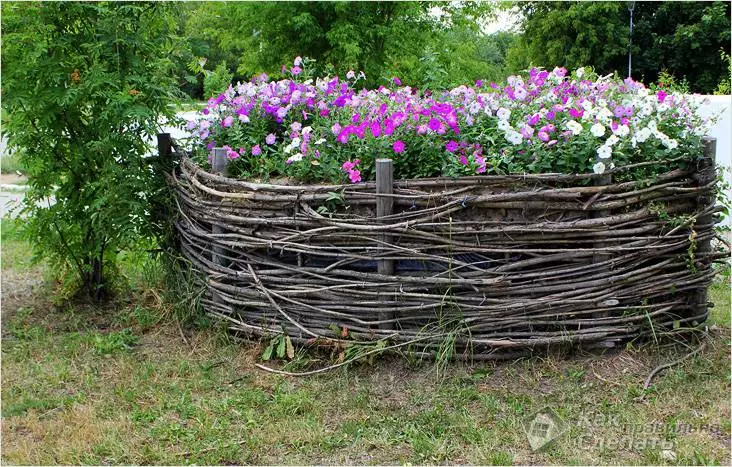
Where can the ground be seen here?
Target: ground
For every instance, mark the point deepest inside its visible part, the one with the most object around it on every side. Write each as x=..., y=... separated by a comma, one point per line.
x=125, y=384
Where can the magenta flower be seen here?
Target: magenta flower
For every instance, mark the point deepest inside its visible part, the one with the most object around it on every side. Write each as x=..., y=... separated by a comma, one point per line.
x=661, y=96
x=375, y=129
x=256, y=150
x=434, y=124
x=575, y=113
x=451, y=146
x=398, y=146
x=543, y=135
x=227, y=122
x=354, y=176
x=270, y=139
x=397, y=81
x=479, y=83
x=296, y=70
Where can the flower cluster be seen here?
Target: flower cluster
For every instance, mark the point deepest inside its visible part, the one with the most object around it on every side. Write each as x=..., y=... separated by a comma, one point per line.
x=548, y=121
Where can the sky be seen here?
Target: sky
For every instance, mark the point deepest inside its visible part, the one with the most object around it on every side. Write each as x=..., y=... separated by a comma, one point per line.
x=506, y=20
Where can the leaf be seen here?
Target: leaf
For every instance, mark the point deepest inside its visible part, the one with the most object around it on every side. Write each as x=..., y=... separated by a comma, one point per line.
x=341, y=357
x=290, y=349
x=281, y=348
x=333, y=196
x=267, y=354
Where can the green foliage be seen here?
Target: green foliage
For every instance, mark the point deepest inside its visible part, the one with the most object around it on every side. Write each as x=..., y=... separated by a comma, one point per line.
x=683, y=38
x=280, y=347
x=383, y=39
x=214, y=82
x=116, y=341
x=724, y=86
x=86, y=85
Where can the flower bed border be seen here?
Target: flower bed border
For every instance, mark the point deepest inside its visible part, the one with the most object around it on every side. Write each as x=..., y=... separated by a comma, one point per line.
x=590, y=264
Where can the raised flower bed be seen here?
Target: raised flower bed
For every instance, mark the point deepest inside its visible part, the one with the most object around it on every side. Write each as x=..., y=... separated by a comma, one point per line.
x=297, y=229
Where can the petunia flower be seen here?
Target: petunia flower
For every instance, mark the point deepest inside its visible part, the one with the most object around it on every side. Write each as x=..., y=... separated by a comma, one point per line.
x=398, y=146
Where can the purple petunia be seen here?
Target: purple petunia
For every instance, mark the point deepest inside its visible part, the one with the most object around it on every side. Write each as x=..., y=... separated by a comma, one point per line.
x=256, y=150
x=398, y=146
x=270, y=139
x=451, y=146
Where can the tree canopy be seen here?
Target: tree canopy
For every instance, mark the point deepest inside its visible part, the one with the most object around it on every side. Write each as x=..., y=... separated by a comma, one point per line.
x=84, y=88
x=383, y=39
x=685, y=39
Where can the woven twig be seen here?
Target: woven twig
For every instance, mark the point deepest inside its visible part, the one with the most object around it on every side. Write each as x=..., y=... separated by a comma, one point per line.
x=505, y=263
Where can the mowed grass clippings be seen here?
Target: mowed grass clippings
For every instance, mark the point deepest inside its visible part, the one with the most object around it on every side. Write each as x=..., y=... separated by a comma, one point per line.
x=116, y=386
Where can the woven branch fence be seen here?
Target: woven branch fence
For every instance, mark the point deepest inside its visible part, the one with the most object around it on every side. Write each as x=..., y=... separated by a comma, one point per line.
x=495, y=265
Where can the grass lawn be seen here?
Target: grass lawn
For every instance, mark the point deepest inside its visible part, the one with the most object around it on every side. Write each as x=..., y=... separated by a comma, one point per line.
x=120, y=385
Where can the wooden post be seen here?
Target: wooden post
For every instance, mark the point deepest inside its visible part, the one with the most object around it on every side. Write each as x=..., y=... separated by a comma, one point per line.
x=165, y=147
x=603, y=180
x=706, y=173
x=219, y=162
x=384, y=205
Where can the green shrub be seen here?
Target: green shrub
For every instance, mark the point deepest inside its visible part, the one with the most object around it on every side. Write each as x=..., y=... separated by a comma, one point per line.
x=85, y=86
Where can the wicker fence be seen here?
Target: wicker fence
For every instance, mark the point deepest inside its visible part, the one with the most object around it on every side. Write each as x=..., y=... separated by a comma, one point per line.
x=495, y=265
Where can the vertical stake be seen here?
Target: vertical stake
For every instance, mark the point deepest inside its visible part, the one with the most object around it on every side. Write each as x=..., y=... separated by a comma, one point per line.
x=219, y=163
x=384, y=206
x=165, y=150
x=605, y=179
x=706, y=174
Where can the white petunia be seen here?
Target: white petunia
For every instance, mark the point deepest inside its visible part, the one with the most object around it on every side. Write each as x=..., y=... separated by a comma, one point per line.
x=599, y=168
x=296, y=158
x=574, y=127
x=670, y=143
x=622, y=130
x=503, y=125
x=320, y=141
x=503, y=114
x=597, y=130
x=604, y=152
x=513, y=137
x=642, y=135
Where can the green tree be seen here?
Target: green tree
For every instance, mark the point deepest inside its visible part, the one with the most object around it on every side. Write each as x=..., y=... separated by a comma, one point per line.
x=681, y=38
x=382, y=39
x=84, y=87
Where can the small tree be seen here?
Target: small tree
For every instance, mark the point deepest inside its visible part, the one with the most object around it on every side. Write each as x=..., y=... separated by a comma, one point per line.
x=84, y=87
